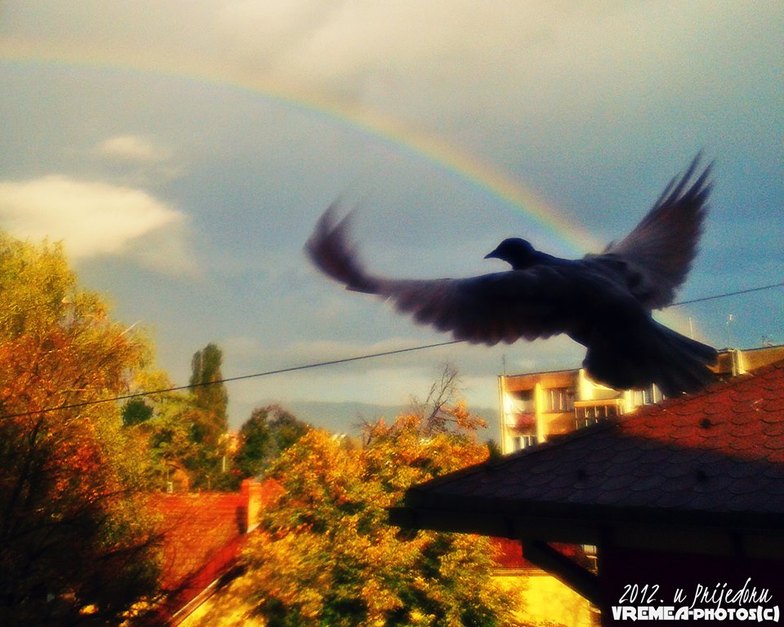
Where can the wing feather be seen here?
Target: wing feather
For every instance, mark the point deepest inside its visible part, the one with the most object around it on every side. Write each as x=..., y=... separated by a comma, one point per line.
x=657, y=255
x=491, y=308
x=487, y=309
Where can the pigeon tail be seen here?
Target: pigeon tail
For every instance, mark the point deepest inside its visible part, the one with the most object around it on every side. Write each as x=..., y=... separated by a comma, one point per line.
x=651, y=353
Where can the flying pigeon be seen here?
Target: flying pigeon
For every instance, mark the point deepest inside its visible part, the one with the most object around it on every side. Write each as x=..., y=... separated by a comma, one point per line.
x=602, y=301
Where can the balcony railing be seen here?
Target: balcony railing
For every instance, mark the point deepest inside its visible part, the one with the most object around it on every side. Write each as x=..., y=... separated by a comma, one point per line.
x=590, y=412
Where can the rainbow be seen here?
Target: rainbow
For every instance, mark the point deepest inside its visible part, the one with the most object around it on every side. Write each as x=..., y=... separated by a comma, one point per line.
x=479, y=174
x=473, y=171
x=467, y=167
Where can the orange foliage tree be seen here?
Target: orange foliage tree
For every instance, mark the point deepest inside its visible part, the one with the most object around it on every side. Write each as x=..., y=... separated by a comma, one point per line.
x=74, y=543
x=325, y=553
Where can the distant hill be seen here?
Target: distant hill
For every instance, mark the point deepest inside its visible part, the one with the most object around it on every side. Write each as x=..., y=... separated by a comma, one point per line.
x=347, y=417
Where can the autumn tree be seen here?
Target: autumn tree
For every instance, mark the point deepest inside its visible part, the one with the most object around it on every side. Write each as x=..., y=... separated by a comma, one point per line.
x=325, y=554
x=442, y=410
x=75, y=543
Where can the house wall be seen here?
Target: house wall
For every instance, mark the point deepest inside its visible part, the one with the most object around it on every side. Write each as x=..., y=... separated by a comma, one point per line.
x=736, y=362
x=538, y=598
x=543, y=600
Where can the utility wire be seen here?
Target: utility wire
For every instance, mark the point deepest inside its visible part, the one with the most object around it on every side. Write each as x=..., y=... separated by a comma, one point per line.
x=726, y=294
x=256, y=375
x=320, y=364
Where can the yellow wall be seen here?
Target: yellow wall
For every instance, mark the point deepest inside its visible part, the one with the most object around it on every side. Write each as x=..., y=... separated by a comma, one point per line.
x=546, y=601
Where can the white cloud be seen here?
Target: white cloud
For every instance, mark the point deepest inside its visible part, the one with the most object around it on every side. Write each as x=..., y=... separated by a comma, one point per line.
x=545, y=67
x=94, y=218
x=139, y=160
x=133, y=148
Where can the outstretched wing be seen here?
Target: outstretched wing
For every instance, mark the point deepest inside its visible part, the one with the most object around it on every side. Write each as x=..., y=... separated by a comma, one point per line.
x=492, y=308
x=657, y=255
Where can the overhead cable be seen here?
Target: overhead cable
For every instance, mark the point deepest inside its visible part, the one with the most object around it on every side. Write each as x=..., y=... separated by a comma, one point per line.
x=322, y=364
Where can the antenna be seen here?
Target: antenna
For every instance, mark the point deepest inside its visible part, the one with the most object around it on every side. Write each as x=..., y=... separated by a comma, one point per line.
x=730, y=320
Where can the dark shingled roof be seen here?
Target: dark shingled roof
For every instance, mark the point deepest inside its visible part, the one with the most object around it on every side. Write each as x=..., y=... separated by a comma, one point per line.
x=715, y=458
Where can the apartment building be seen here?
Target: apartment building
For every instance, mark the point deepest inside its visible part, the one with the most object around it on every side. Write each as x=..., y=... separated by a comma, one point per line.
x=536, y=406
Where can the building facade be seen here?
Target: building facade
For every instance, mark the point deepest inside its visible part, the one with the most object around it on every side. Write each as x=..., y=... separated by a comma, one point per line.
x=536, y=406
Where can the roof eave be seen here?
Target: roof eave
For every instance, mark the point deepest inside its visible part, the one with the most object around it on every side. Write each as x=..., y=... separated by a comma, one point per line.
x=714, y=533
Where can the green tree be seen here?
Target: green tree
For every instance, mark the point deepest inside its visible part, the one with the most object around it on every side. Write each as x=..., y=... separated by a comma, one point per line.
x=136, y=411
x=264, y=436
x=186, y=441
x=324, y=553
x=208, y=420
x=166, y=435
x=75, y=542
x=254, y=444
x=209, y=393
x=285, y=428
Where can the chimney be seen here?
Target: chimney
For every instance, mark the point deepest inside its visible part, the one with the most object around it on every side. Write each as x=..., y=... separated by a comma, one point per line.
x=251, y=496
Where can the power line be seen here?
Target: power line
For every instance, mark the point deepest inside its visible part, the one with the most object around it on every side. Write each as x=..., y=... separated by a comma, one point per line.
x=321, y=364
x=255, y=375
x=726, y=294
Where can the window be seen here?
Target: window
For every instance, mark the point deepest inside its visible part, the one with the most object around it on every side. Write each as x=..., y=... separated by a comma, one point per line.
x=647, y=396
x=559, y=399
x=523, y=441
x=523, y=401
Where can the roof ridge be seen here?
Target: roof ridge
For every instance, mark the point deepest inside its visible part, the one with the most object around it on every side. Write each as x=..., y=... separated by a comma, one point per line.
x=744, y=379
x=495, y=464
x=555, y=439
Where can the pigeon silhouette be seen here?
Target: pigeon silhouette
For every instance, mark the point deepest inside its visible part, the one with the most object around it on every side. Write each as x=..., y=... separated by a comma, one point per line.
x=602, y=301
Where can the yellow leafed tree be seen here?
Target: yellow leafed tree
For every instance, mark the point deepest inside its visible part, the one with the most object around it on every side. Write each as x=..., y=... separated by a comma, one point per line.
x=74, y=543
x=326, y=555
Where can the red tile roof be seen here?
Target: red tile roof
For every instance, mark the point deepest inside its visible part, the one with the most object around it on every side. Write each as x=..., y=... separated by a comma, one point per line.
x=196, y=527
x=716, y=457
x=203, y=534
x=744, y=418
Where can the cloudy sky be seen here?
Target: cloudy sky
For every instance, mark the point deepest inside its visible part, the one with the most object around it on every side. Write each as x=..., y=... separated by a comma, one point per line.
x=183, y=151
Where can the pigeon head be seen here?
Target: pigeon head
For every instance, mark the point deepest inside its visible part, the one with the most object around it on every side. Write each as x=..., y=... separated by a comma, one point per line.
x=516, y=252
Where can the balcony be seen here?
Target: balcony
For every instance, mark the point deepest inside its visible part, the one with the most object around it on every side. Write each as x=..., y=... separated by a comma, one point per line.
x=522, y=422
x=589, y=412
